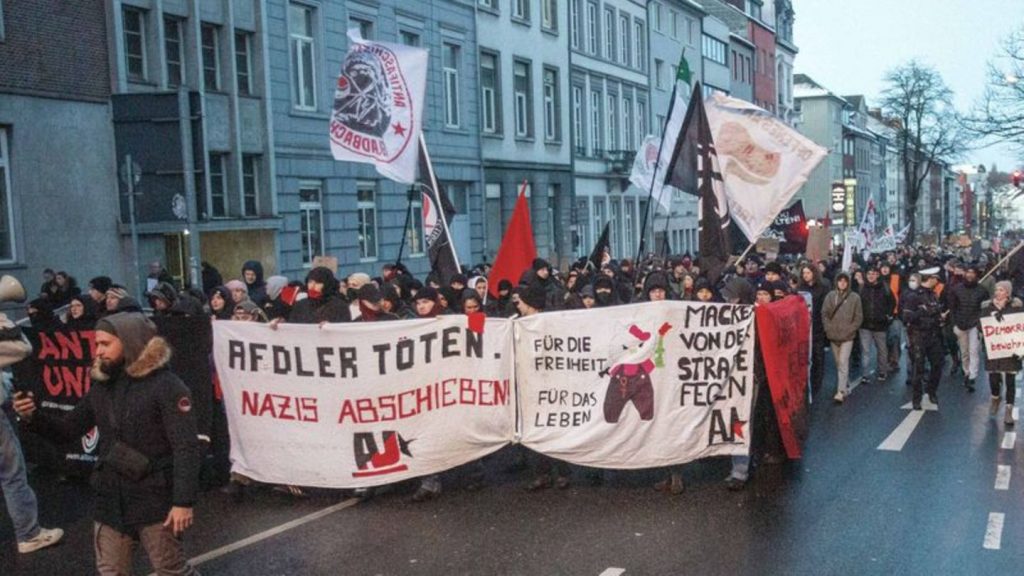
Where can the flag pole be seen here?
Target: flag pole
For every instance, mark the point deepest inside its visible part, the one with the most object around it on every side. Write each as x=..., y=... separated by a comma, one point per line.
x=1005, y=258
x=437, y=197
x=654, y=176
x=405, y=229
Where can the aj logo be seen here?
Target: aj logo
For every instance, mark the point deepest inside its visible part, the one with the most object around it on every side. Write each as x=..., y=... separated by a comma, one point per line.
x=372, y=461
x=90, y=440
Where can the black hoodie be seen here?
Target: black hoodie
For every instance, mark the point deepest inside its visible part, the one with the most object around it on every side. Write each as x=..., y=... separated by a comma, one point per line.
x=258, y=289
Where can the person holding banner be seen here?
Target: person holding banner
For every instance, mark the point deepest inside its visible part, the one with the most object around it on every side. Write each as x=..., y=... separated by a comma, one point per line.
x=323, y=301
x=1002, y=371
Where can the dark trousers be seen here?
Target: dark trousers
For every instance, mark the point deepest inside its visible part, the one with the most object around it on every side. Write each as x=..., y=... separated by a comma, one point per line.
x=996, y=380
x=817, y=362
x=926, y=349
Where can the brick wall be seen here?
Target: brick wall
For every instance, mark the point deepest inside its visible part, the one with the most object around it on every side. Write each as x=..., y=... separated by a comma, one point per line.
x=56, y=48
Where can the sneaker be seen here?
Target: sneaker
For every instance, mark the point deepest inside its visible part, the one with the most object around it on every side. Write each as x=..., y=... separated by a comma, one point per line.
x=46, y=537
x=839, y=398
x=933, y=398
x=735, y=484
x=562, y=482
x=969, y=383
x=423, y=495
x=917, y=404
x=883, y=378
x=993, y=407
x=1007, y=418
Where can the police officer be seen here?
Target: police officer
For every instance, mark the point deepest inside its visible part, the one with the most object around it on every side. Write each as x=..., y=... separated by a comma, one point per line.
x=922, y=314
x=148, y=473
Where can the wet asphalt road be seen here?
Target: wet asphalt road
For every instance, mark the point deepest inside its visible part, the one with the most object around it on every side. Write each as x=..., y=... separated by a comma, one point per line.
x=846, y=508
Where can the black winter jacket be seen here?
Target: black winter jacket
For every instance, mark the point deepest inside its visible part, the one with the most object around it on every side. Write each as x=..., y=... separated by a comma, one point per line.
x=327, y=308
x=877, y=303
x=156, y=419
x=964, y=303
x=921, y=312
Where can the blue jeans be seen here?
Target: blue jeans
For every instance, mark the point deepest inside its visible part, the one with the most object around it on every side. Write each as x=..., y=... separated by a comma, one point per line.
x=21, y=500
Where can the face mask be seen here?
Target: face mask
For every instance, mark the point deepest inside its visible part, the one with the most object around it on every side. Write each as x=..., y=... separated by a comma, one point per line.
x=314, y=293
x=914, y=285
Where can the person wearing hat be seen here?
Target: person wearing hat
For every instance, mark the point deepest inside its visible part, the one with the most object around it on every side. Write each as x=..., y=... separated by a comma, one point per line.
x=162, y=298
x=248, y=311
x=878, y=305
x=842, y=315
x=1002, y=371
x=239, y=291
x=964, y=301
x=369, y=299
x=656, y=289
x=323, y=302
x=533, y=300
x=115, y=294
x=922, y=314
x=98, y=287
x=147, y=480
x=812, y=282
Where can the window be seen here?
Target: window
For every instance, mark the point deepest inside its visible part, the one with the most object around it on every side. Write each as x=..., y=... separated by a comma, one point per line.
x=1, y=21
x=366, y=206
x=659, y=73
x=574, y=23
x=628, y=224
x=311, y=221
x=628, y=138
x=624, y=39
x=656, y=15
x=365, y=27
x=492, y=4
x=409, y=38
x=300, y=32
x=218, y=187
x=521, y=9
x=243, y=63
x=691, y=27
x=451, y=85
x=714, y=49
x=640, y=39
x=6, y=216
x=592, y=28
x=552, y=107
x=599, y=217
x=578, y=139
x=490, y=87
x=523, y=99
x=595, y=122
x=549, y=14
x=554, y=193
x=250, y=184
x=675, y=24
x=134, y=44
x=660, y=119
x=641, y=121
x=609, y=33
x=211, y=68
x=613, y=122
x=492, y=218
x=414, y=233
x=174, y=48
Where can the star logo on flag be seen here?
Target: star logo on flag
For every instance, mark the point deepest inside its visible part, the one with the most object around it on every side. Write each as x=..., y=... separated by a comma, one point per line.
x=398, y=128
x=737, y=428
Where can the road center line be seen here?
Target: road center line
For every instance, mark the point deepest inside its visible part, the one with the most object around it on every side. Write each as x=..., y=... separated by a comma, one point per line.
x=1009, y=439
x=1003, y=473
x=613, y=572
x=229, y=548
x=994, y=531
x=899, y=436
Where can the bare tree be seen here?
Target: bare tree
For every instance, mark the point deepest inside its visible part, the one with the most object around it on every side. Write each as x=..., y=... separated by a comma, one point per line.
x=999, y=114
x=929, y=132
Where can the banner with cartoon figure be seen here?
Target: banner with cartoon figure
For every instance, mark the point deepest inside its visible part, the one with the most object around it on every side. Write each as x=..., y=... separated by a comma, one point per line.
x=363, y=404
x=637, y=386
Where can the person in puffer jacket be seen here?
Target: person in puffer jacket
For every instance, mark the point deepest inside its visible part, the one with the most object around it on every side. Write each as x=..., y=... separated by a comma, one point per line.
x=964, y=302
x=878, y=305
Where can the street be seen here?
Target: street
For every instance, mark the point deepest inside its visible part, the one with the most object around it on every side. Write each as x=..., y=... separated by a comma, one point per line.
x=948, y=501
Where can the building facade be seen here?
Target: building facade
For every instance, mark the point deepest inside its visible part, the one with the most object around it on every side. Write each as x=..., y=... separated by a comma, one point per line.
x=525, y=118
x=820, y=114
x=785, y=59
x=347, y=210
x=58, y=182
x=611, y=110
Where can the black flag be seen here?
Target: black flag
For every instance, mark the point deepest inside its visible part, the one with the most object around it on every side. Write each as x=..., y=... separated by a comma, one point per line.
x=597, y=254
x=437, y=213
x=694, y=169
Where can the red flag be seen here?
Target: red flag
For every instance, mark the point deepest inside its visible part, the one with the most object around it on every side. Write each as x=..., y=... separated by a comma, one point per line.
x=783, y=328
x=517, y=249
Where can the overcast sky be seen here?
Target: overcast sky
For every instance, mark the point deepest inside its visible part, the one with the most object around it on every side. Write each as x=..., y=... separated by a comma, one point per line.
x=848, y=45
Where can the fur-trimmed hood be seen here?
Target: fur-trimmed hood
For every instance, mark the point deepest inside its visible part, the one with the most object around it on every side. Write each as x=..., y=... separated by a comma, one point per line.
x=155, y=355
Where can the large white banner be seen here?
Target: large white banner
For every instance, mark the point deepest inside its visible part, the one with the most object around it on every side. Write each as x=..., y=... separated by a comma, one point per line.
x=1004, y=337
x=363, y=404
x=764, y=162
x=637, y=386
x=378, y=107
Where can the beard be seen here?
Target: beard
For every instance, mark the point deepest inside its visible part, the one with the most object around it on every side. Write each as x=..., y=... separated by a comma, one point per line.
x=111, y=366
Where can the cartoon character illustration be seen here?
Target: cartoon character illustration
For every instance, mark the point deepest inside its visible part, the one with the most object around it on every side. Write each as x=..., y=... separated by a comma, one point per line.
x=632, y=359
x=363, y=98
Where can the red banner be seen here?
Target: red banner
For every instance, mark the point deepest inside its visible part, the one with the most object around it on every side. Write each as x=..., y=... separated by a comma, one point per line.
x=783, y=329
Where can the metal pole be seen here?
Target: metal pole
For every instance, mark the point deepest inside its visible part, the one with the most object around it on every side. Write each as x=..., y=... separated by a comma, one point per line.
x=130, y=172
x=405, y=229
x=1005, y=258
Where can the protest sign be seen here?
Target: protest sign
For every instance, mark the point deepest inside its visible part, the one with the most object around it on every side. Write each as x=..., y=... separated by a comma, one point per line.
x=818, y=240
x=363, y=404
x=1005, y=338
x=637, y=386
x=783, y=329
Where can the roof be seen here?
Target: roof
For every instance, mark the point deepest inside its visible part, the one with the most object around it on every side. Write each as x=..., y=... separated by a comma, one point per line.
x=805, y=87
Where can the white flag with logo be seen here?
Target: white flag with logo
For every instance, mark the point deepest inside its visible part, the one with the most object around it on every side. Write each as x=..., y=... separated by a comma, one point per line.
x=764, y=161
x=378, y=107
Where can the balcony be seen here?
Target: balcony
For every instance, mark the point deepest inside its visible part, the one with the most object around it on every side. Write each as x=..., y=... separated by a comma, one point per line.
x=620, y=161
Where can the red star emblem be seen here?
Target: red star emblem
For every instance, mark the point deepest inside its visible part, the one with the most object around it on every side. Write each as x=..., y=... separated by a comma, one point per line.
x=399, y=129
x=737, y=428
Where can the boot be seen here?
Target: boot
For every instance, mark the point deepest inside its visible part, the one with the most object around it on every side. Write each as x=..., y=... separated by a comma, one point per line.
x=1008, y=418
x=993, y=408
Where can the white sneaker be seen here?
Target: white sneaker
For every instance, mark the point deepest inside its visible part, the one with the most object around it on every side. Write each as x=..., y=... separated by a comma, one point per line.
x=46, y=537
x=839, y=397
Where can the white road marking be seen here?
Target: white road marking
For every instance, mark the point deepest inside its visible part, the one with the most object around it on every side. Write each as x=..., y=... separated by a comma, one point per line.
x=1009, y=439
x=1003, y=477
x=1016, y=413
x=613, y=572
x=229, y=548
x=926, y=404
x=901, y=434
x=994, y=532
